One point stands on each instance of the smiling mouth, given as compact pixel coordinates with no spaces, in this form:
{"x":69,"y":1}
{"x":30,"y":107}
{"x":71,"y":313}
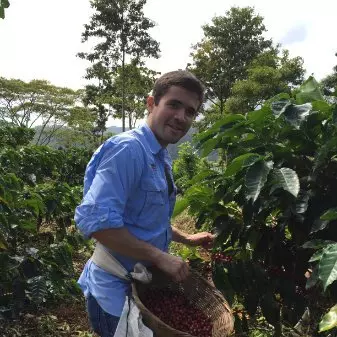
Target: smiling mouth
{"x":175,"y":128}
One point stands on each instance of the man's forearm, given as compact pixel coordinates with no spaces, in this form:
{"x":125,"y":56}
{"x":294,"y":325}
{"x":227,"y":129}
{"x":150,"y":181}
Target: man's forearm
{"x":179,"y":236}
{"x":123,"y":242}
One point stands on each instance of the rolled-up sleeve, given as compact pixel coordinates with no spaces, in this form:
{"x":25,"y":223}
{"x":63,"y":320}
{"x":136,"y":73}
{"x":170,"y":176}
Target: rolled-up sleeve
{"x":117,"y":173}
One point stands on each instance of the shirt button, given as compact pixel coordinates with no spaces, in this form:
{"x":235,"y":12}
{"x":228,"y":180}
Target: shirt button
{"x":103,"y":218}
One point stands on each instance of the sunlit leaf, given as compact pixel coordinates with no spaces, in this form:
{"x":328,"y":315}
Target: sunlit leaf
{"x":329,"y":320}
{"x":309,"y":91}
{"x":316,"y":244}
{"x":244,"y":160}
{"x":330,"y":214}
{"x":180,"y":206}
{"x":256,"y":177}
{"x":327,"y":269}
{"x":286,"y":179}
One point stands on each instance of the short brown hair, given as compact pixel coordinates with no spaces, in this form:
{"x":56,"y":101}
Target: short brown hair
{"x":179,"y":78}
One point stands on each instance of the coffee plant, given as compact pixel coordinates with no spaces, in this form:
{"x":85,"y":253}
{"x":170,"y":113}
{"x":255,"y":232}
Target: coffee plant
{"x":272,"y":200}
{"x":39,"y":190}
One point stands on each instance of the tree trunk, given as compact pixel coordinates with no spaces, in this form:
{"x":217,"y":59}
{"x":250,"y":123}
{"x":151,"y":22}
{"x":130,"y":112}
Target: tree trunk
{"x":123,"y":65}
{"x":130,"y":121}
{"x":123,"y":90}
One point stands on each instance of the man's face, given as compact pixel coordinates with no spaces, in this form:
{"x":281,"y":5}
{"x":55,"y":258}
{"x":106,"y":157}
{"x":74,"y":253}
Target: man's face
{"x":173,"y":116}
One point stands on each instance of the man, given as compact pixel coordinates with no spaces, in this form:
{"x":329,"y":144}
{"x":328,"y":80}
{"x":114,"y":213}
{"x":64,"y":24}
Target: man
{"x":129,"y":196}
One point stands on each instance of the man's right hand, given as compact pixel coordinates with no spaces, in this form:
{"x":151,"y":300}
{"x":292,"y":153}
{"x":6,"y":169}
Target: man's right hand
{"x":174,"y":266}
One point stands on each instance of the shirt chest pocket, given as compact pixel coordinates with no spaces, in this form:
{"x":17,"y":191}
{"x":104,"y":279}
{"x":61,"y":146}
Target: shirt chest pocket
{"x":153,"y":192}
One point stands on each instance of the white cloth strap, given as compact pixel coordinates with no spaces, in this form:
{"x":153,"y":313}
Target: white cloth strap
{"x":102,"y":258}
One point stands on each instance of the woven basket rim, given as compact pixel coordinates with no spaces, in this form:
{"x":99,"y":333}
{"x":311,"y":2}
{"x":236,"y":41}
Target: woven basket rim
{"x":156,"y":319}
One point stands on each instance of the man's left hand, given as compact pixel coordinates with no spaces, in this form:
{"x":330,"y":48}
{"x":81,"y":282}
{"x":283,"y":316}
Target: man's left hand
{"x":203,"y":239}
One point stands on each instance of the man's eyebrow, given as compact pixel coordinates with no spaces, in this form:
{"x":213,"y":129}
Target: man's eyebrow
{"x":174,"y":100}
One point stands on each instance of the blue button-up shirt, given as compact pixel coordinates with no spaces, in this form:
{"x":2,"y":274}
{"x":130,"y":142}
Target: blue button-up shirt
{"x":125,"y":186}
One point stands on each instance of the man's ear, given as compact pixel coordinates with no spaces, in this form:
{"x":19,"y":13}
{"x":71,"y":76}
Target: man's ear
{"x":150,"y":103}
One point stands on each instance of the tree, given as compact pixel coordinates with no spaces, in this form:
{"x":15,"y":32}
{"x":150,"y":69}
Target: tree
{"x":122,"y":29}
{"x":95,"y":99}
{"x":3,"y":4}
{"x":230,"y":43}
{"x":39,"y":103}
{"x":329,"y":83}
{"x":268,"y":75}
{"x":138,"y":82}
{"x":187,"y":165}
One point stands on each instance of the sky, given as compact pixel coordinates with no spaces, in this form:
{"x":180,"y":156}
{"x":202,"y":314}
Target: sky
{"x":40,"y":38}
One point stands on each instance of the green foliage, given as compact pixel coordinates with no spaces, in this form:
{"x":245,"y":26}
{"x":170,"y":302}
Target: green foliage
{"x":273,"y":204}
{"x":37,"y":237}
{"x":122,"y":30}
{"x":3,"y":4}
{"x":329,"y":320}
{"x":137,"y":82}
{"x":230,"y":43}
{"x":15,"y":136}
{"x":186,"y":166}
{"x":267,"y":75}
{"x":42,"y":105}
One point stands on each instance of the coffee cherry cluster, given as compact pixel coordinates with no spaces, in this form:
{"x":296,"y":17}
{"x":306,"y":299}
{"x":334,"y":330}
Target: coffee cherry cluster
{"x":221,"y":257}
{"x":177,"y":312}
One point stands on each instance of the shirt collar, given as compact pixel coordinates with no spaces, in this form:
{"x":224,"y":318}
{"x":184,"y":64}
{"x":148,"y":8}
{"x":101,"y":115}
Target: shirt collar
{"x":155,"y":147}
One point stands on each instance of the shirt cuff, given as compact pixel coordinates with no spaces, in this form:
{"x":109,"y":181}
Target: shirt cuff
{"x":93,"y":218}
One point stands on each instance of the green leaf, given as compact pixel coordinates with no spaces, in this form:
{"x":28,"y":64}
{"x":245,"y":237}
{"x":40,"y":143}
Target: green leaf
{"x":316,"y":244}
{"x":296,"y":114}
{"x":327,"y":268}
{"x":209,"y":146}
{"x":309,"y":91}
{"x":258,"y":116}
{"x":317,"y":256}
{"x":180,"y":206}
{"x":29,"y":225}
{"x":226,"y":122}
{"x":201,"y":176}
{"x":319,"y":225}
{"x":238,"y":163}
{"x":322,"y":106}
{"x":279,"y":107}
{"x":256,"y":177}
{"x":329,"y":320}
{"x":38,"y":289}
{"x":330,"y":214}
{"x":286,"y":179}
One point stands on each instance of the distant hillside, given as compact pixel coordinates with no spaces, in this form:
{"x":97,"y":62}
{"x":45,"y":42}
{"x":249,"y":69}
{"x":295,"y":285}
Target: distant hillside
{"x":115,"y":129}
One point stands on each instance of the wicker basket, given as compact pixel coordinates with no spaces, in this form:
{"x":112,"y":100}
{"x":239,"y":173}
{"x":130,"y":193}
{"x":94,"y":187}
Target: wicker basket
{"x":199,"y":292}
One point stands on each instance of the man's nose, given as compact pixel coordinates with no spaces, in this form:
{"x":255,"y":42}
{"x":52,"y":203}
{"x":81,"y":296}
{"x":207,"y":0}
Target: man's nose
{"x":180,"y":115}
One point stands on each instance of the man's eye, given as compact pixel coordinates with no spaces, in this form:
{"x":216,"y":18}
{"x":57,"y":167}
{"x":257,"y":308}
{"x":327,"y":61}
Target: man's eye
{"x":174,"y":105}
